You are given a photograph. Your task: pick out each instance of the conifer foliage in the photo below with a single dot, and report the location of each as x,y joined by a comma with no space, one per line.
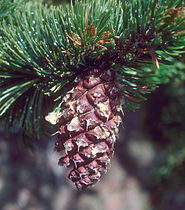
88,62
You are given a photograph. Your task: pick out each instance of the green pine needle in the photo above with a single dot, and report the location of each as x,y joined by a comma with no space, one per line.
42,49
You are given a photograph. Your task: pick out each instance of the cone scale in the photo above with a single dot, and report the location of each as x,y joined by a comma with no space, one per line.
89,126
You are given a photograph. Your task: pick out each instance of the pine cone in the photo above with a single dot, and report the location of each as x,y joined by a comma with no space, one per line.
89,127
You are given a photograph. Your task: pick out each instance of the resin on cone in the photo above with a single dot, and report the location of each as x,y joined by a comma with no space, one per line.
89,123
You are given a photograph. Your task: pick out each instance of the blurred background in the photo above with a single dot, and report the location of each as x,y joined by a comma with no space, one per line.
147,171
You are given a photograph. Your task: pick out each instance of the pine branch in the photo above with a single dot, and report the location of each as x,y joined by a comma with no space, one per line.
5,8
43,49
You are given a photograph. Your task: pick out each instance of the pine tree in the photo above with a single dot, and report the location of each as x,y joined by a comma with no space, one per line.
89,62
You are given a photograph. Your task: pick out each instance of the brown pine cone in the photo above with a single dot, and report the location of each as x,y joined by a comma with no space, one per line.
89,127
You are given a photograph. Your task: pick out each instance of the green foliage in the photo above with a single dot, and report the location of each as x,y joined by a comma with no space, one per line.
6,8
56,2
42,49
